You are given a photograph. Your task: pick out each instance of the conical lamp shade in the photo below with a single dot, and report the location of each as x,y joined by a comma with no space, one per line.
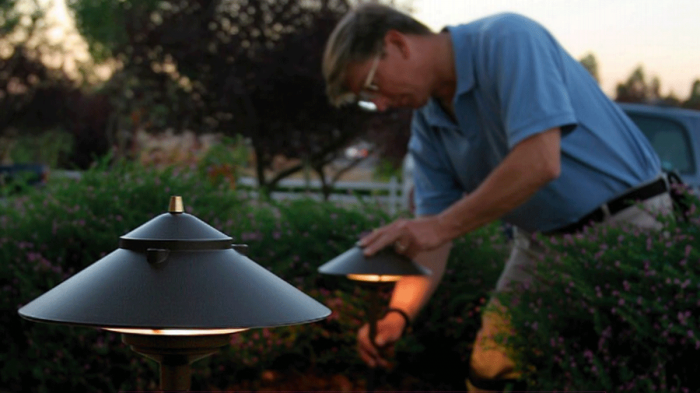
175,272
384,263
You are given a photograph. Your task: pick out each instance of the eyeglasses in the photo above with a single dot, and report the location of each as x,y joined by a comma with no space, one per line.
368,92
369,89
369,85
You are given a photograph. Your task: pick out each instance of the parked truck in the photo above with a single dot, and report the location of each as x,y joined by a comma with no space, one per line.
675,135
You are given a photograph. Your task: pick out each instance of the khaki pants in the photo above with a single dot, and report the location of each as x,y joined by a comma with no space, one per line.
489,362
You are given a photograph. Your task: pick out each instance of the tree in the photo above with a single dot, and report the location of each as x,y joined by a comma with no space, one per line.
233,66
635,89
9,17
35,97
590,63
638,89
693,101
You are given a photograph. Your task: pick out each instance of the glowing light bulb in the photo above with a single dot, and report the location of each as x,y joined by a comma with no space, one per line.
373,277
176,332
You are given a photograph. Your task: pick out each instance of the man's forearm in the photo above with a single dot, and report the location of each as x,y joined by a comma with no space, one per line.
532,164
411,293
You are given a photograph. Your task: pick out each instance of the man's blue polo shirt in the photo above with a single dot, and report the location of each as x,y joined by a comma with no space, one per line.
514,81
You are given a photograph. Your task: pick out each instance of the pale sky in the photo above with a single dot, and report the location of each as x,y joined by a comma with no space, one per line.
661,35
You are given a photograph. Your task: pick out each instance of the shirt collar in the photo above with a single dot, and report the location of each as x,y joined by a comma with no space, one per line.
465,77
464,64
436,116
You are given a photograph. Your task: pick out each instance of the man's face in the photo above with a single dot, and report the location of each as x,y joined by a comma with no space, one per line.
389,80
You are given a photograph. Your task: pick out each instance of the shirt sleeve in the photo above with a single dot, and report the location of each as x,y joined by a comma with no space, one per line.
435,188
527,68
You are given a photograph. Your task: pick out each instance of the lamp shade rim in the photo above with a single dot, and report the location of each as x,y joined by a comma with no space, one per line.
385,262
196,280
269,324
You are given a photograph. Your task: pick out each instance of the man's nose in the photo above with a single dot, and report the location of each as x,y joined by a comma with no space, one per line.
381,103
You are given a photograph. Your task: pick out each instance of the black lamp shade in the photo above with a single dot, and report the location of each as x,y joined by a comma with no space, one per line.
175,272
384,263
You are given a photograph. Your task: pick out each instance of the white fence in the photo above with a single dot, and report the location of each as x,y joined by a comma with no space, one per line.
386,194
389,194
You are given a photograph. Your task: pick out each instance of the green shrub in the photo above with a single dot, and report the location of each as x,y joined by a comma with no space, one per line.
51,148
617,313
48,235
613,309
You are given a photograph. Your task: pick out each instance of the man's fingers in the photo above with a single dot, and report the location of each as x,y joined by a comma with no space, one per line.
373,358
368,352
369,238
367,358
386,238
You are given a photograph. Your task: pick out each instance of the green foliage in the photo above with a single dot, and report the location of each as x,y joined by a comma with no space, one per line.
385,170
222,161
590,63
48,235
103,23
9,18
50,148
616,312
693,101
614,309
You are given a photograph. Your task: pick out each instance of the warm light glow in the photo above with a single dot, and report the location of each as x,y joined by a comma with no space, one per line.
176,332
373,277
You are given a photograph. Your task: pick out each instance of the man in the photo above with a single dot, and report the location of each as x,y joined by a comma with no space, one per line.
506,126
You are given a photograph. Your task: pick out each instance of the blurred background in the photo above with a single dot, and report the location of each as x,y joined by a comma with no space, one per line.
163,82
223,100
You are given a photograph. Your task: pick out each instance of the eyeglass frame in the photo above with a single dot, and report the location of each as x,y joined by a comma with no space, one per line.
364,97
368,88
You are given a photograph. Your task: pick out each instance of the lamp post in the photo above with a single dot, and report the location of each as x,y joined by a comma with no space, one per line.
381,269
177,289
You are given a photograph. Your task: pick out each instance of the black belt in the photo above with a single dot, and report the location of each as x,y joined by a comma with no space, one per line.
614,206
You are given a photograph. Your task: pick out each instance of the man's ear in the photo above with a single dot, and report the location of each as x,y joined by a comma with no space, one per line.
398,41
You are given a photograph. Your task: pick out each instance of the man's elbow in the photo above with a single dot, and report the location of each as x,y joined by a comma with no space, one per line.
548,170
552,170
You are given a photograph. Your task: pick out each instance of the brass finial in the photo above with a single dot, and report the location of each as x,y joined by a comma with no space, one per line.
176,205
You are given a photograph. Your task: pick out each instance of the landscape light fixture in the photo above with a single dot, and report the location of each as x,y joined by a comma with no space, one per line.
177,289
376,271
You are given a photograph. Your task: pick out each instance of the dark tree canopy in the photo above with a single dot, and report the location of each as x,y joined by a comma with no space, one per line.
693,101
232,66
639,89
590,63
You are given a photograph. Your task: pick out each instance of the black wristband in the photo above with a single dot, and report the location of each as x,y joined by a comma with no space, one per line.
406,319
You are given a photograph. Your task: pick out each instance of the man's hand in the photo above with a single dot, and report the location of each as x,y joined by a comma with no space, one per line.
408,237
389,330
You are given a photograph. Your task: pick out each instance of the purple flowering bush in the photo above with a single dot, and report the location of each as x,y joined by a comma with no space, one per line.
292,239
48,235
613,309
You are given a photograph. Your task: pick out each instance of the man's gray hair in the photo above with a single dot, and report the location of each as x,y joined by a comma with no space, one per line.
358,36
